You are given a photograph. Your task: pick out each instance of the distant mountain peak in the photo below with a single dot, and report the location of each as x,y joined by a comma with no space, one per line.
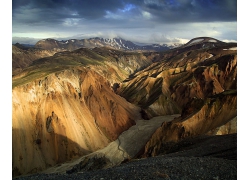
115,43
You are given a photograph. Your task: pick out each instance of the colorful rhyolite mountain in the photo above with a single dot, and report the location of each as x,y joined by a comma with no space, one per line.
66,104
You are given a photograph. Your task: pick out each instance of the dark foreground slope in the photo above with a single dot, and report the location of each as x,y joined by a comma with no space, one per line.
204,157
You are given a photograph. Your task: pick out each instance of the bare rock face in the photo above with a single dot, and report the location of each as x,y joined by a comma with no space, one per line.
200,83
63,116
123,149
229,128
165,87
74,103
208,115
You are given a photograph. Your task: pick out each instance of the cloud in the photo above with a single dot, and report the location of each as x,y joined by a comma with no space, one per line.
146,15
176,18
63,8
227,40
71,21
24,40
178,11
165,39
166,11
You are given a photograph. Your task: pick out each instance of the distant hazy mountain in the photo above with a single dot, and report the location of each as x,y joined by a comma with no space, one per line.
116,43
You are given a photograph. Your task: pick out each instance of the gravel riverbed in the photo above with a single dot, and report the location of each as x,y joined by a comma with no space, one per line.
219,163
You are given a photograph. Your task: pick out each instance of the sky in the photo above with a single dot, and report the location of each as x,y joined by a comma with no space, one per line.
141,21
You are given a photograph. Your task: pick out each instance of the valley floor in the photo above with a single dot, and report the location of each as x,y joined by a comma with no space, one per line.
204,157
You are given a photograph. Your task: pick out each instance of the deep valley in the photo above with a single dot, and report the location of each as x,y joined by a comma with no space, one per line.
81,110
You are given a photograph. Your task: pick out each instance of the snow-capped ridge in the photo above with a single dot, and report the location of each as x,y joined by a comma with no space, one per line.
115,43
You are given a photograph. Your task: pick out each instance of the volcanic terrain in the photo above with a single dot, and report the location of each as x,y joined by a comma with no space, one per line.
81,109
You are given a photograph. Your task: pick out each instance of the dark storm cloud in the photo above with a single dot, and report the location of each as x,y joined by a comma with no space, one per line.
137,18
172,11
175,11
56,10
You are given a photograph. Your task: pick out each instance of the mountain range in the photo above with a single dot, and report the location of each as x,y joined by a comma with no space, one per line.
114,43
99,103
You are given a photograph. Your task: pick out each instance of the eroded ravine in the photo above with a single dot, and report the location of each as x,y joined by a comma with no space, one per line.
64,116
125,147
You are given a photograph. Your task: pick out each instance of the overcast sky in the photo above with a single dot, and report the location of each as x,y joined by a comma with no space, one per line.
145,21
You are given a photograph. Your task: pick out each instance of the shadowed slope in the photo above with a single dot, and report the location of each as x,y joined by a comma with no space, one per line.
78,104
126,147
165,87
32,153
200,83
198,118
71,94
23,57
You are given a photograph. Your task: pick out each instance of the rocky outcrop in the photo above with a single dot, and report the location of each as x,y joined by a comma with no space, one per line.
65,106
200,84
198,117
166,87
63,116
229,128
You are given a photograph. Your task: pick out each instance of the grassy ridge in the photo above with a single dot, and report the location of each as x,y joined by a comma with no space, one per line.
45,66
64,60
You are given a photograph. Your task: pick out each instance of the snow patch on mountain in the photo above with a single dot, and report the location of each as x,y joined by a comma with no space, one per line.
116,43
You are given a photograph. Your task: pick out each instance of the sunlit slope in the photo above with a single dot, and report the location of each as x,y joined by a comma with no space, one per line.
200,82
166,86
214,115
64,106
74,103
113,65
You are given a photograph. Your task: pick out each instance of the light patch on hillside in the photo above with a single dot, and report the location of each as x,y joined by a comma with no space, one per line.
196,41
212,40
232,48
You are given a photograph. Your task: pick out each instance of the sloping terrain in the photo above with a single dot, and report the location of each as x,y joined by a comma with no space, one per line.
166,86
201,84
63,116
22,57
204,157
124,148
64,106
75,103
114,65
214,112
113,43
